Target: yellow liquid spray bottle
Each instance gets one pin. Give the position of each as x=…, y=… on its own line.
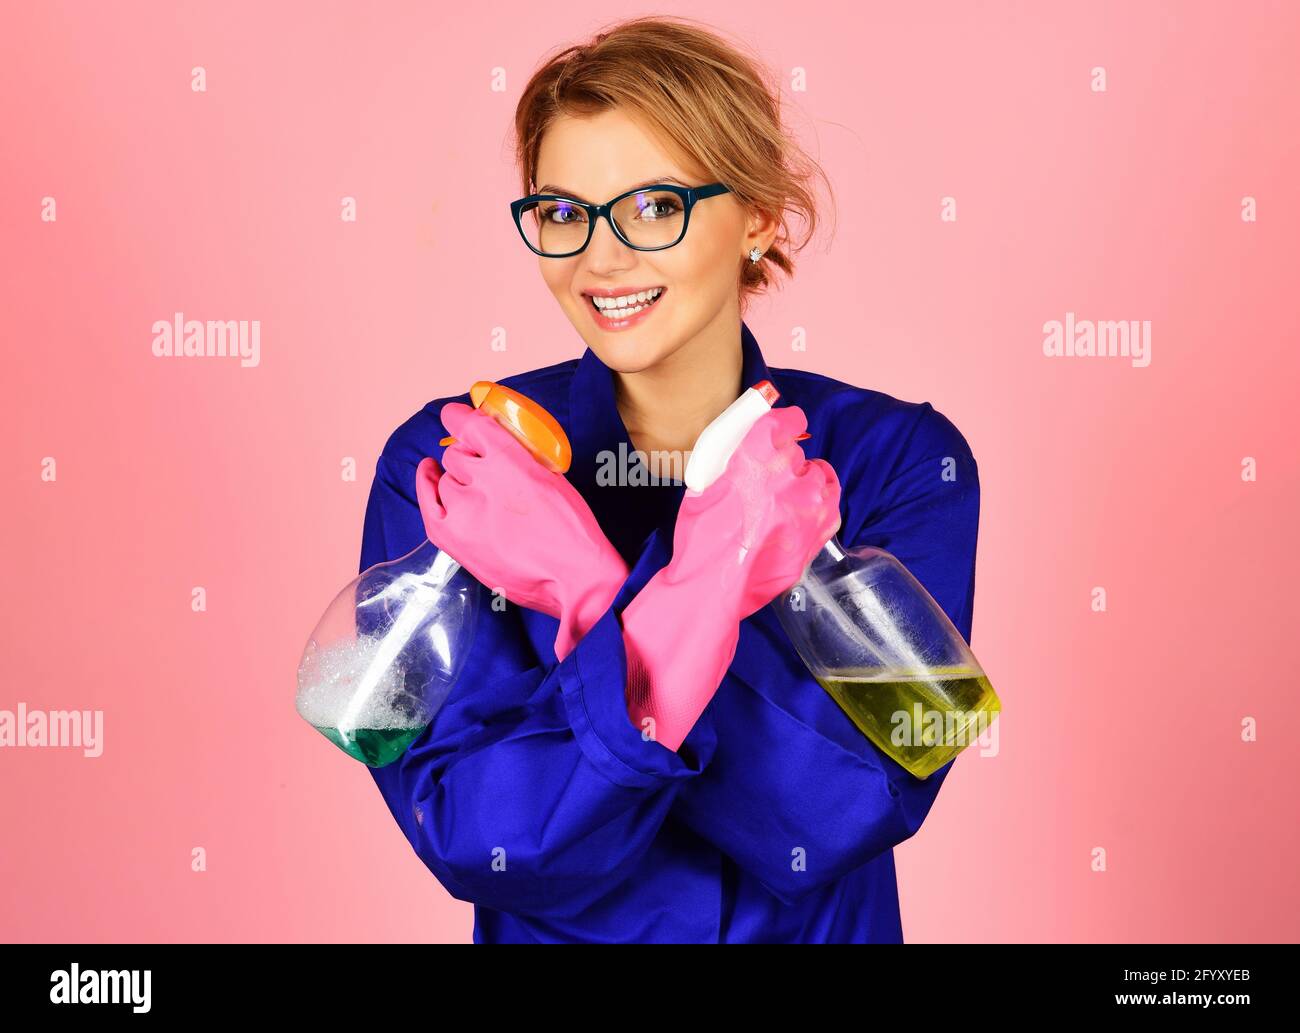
x=868, y=631
x=389, y=648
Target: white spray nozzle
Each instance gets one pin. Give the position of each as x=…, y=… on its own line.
x=723, y=436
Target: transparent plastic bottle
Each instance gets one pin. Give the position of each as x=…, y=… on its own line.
x=877, y=641
x=386, y=653
x=388, y=650
x=868, y=631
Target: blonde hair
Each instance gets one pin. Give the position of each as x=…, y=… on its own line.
x=712, y=103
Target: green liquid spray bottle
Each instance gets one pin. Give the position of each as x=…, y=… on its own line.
x=868, y=631
x=389, y=649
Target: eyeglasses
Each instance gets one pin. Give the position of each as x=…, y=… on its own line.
x=647, y=219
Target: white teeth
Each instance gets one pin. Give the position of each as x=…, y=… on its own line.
x=626, y=301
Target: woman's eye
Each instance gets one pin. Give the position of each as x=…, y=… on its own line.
x=562, y=214
x=660, y=209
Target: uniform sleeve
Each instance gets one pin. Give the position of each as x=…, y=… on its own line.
x=795, y=794
x=531, y=791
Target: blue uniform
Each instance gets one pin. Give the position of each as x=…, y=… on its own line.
x=532, y=795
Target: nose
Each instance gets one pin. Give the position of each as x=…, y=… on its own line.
x=605, y=252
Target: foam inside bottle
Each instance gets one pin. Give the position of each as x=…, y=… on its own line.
x=371, y=724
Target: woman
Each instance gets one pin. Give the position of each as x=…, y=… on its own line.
x=635, y=751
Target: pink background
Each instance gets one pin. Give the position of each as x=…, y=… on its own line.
x=1120, y=729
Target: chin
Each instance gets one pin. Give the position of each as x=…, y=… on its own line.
x=620, y=363
x=626, y=356
x=627, y=351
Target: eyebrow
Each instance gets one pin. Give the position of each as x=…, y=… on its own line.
x=551, y=188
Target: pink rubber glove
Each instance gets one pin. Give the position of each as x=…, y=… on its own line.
x=737, y=545
x=516, y=526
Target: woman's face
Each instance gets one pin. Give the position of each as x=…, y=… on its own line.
x=596, y=158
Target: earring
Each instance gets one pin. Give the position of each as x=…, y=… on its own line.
x=754, y=255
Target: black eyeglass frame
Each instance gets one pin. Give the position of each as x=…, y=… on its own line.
x=689, y=196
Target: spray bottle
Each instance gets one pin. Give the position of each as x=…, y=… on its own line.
x=390, y=647
x=868, y=631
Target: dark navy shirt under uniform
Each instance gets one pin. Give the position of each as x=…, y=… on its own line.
x=532, y=795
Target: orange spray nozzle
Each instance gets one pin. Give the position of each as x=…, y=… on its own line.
x=537, y=430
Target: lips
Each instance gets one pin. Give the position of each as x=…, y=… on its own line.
x=618, y=292
x=612, y=323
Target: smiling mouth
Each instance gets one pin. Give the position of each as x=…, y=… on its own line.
x=626, y=306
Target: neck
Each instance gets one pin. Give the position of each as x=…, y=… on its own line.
x=666, y=406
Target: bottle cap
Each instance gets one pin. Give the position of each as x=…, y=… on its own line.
x=536, y=429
